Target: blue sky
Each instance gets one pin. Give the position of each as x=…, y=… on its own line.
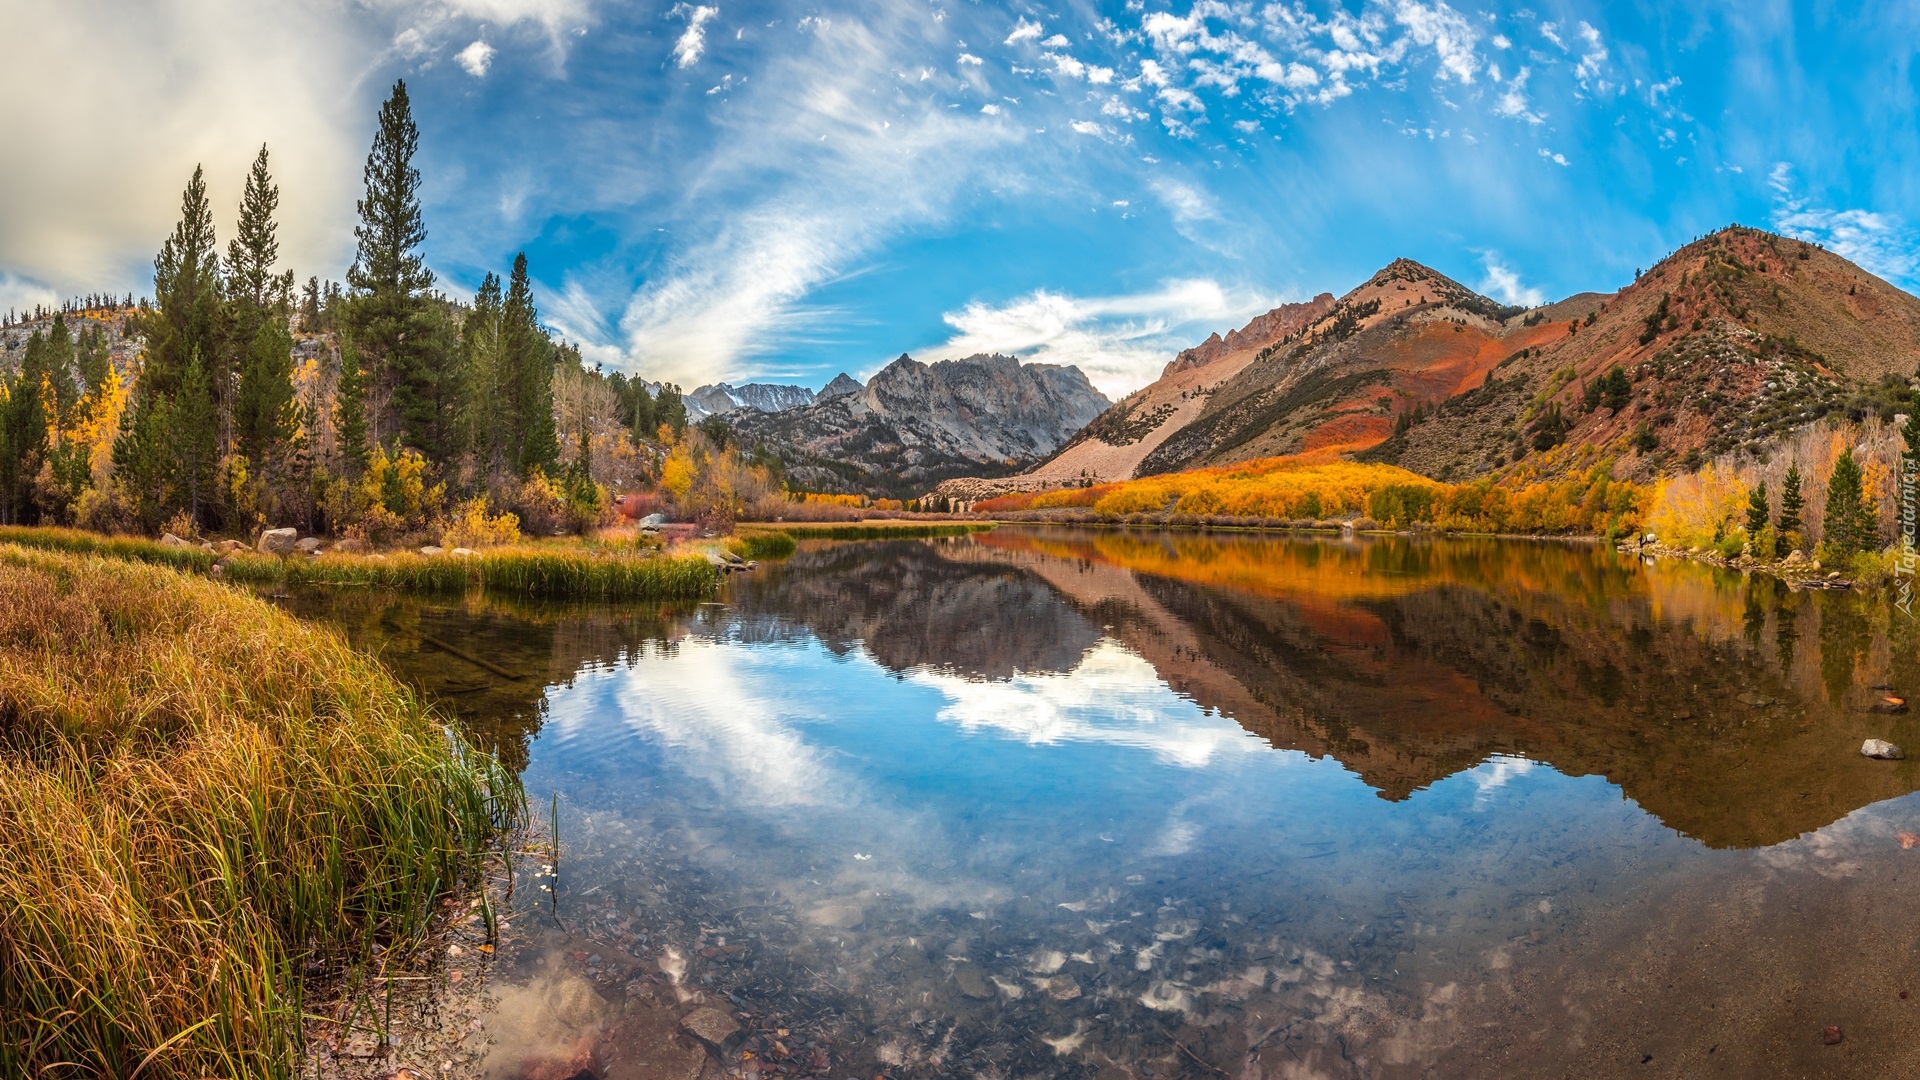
x=773, y=191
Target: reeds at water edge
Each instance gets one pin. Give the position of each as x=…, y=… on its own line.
x=203, y=799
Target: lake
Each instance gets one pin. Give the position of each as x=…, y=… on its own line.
x=1042, y=802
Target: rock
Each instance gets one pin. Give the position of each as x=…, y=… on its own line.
x=1831, y=1035
x=228, y=547
x=713, y=1027
x=1795, y=558
x=1062, y=988
x=653, y=521
x=170, y=540
x=307, y=544
x=1757, y=701
x=716, y=561
x=349, y=546
x=971, y=983
x=1813, y=564
x=1835, y=576
x=1651, y=539
x=1882, y=749
x=431, y=550
x=465, y=553
x=277, y=541
x=206, y=546
x=735, y=559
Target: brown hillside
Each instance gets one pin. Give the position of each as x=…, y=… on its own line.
x=1734, y=339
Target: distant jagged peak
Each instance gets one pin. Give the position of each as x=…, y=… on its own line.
x=842, y=385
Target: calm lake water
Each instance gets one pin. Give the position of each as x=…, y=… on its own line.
x=1054, y=803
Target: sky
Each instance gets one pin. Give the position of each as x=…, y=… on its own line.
x=779, y=192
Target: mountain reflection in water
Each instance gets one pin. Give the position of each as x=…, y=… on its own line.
x=1042, y=802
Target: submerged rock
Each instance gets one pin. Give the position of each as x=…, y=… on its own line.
x=713, y=1027
x=971, y=983
x=1881, y=748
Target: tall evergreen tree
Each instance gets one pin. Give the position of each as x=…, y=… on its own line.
x=23, y=435
x=1790, y=503
x=482, y=355
x=1757, y=512
x=528, y=357
x=141, y=455
x=194, y=438
x=255, y=246
x=1850, y=525
x=350, y=410
x=389, y=278
x=186, y=293
x=93, y=357
x=263, y=410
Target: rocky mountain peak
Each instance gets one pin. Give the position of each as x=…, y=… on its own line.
x=842, y=385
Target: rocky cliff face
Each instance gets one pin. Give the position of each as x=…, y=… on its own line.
x=767, y=397
x=915, y=424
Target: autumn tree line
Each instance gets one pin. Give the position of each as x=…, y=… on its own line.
x=380, y=407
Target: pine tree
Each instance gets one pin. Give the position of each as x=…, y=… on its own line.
x=1787, y=533
x=263, y=410
x=186, y=292
x=23, y=435
x=194, y=438
x=93, y=357
x=482, y=355
x=255, y=247
x=528, y=361
x=1757, y=510
x=1850, y=524
x=350, y=410
x=390, y=314
x=140, y=455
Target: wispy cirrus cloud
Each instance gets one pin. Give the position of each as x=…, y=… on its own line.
x=1878, y=241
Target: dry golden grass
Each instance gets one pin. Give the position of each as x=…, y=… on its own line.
x=199, y=796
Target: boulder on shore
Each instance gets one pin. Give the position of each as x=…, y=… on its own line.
x=170, y=540
x=308, y=545
x=277, y=541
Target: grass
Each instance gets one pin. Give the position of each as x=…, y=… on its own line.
x=81, y=542
x=762, y=545
x=871, y=531
x=558, y=573
x=201, y=800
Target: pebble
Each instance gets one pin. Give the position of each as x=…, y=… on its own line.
x=1881, y=748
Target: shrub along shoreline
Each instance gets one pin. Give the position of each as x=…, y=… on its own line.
x=201, y=799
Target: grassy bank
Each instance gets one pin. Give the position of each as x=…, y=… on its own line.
x=201, y=799
x=866, y=530
x=544, y=572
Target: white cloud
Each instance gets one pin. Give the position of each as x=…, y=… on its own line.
x=820, y=162
x=1593, y=57
x=19, y=294
x=969, y=58
x=1024, y=30
x=1500, y=41
x=1447, y=31
x=476, y=58
x=1879, y=242
x=1557, y=159
x=990, y=109
x=1512, y=102
x=1088, y=127
x=1503, y=284
x=693, y=41
x=1121, y=342
x=1113, y=698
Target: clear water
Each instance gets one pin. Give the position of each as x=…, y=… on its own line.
x=1054, y=803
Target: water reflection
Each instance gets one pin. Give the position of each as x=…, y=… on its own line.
x=1048, y=803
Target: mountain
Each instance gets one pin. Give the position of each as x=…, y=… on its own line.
x=1728, y=342
x=913, y=424
x=767, y=397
